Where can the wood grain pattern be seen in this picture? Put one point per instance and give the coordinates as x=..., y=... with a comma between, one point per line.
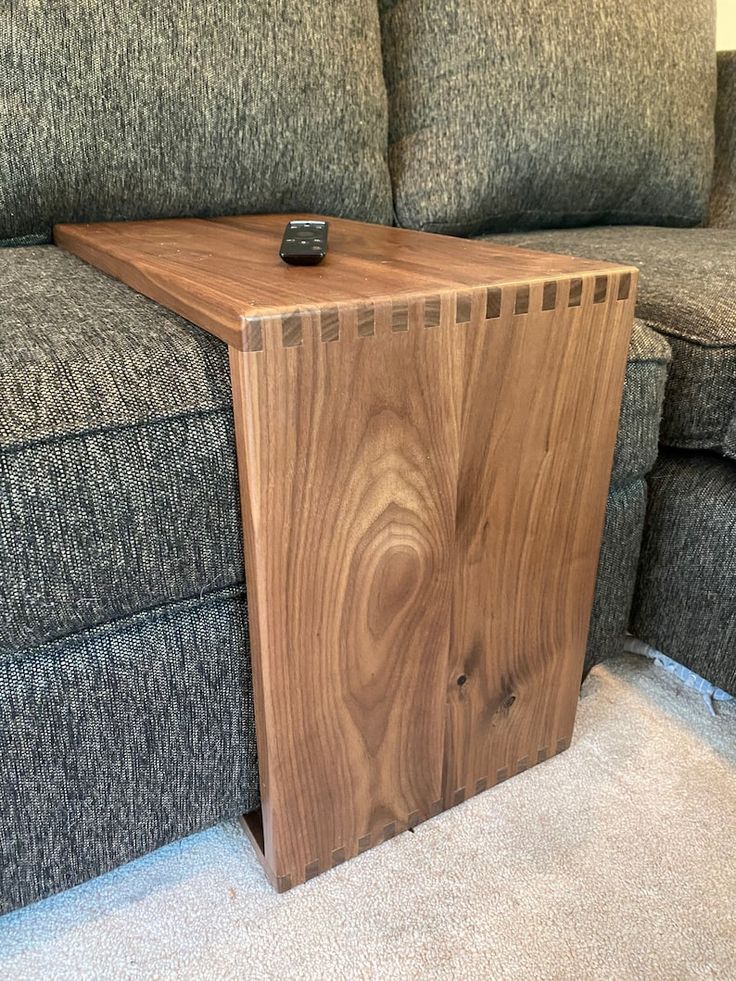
x=540, y=413
x=347, y=453
x=425, y=432
x=225, y=274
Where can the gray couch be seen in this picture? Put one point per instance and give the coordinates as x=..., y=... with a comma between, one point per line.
x=126, y=715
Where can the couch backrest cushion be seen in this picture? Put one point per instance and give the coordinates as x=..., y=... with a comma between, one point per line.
x=141, y=110
x=507, y=115
x=723, y=195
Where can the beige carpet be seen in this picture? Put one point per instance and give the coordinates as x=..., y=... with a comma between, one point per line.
x=615, y=860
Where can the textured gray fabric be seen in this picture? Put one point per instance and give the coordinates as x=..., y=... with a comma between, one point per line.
x=636, y=452
x=118, y=481
x=121, y=739
x=109, y=523
x=687, y=291
x=723, y=195
x=81, y=351
x=614, y=587
x=505, y=115
x=685, y=600
x=641, y=406
x=161, y=109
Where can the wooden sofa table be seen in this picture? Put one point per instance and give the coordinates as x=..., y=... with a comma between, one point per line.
x=425, y=430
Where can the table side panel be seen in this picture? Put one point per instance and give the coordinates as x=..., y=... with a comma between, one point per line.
x=542, y=401
x=348, y=455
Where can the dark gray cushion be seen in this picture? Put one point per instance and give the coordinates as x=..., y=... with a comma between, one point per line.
x=685, y=601
x=617, y=564
x=118, y=483
x=723, y=196
x=526, y=115
x=687, y=291
x=139, y=110
x=641, y=405
x=121, y=739
x=636, y=452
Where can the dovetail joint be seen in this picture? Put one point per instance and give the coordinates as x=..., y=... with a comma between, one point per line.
x=461, y=308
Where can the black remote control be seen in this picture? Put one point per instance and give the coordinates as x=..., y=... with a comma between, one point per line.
x=304, y=243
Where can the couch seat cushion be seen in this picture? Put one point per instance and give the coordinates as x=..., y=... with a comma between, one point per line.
x=637, y=440
x=687, y=292
x=684, y=601
x=122, y=738
x=118, y=484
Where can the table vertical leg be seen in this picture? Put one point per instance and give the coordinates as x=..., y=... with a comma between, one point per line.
x=423, y=488
x=347, y=443
x=543, y=382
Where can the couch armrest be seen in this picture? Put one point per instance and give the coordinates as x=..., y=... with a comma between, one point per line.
x=723, y=195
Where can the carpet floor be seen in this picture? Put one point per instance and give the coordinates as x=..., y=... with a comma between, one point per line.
x=615, y=860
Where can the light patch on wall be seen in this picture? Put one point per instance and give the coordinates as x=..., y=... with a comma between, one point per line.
x=726, y=27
